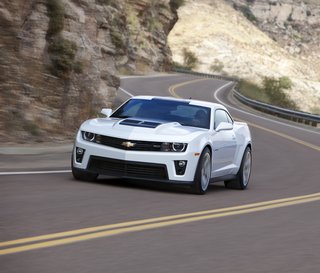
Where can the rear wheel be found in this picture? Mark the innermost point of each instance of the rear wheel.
(243, 176)
(83, 175)
(203, 173)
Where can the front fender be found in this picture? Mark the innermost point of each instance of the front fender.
(199, 143)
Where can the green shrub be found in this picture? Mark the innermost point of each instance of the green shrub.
(62, 54)
(153, 24)
(77, 67)
(285, 83)
(117, 40)
(178, 66)
(252, 91)
(217, 66)
(274, 89)
(271, 91)
(56, 15)
(103, 2)
(31, 128)
(190, 60)
(175, 4)
(246, 11)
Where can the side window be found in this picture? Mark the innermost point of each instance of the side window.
(221, 116)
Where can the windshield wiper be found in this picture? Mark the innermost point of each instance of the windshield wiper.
(121, 116)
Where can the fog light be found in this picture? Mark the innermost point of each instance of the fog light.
(79, 154)
(181, 163)
(80, 151)
(180, 166)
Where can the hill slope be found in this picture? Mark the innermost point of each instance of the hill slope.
(224, 39)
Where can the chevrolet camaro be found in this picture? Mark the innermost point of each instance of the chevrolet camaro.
(177, 141)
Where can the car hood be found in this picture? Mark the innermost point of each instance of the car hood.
(142, 129)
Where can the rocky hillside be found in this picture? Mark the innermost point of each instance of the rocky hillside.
(295, 25)
(252, 39)
(60, 59)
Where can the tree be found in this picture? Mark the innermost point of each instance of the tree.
(274, 89)
(190, 60)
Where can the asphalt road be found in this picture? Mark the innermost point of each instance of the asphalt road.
(257, 230)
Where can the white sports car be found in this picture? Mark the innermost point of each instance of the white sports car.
(168, 140)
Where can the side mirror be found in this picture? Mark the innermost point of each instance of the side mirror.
(106, 111)
(224, 126)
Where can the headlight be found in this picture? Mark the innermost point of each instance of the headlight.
(173, 147)
(179, 147)
(88, 136)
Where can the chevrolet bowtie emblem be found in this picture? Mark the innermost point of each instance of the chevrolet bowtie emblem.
(128, 144)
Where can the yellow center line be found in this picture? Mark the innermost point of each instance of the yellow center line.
(145, 221)
(156, 223)
(172, 88)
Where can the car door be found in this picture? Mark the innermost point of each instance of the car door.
(224, 144)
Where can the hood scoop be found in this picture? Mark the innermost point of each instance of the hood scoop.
(140, 123)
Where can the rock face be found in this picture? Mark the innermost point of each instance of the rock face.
(295, 25)
(247, 39)
(59, 60)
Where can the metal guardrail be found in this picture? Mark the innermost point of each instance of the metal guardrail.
(297, 116)
(219, 77)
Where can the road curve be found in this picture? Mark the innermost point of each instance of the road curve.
(271, 227)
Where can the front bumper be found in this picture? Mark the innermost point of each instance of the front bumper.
(146, 165)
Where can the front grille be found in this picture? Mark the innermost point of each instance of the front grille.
(131, 169)
(132, 145)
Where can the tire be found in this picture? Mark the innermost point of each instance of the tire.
(203, 173)
(82, 175)
(243, 176)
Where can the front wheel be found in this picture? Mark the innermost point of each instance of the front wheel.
(203, 173)
(242, 179)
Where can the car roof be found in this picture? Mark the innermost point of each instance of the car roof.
(191, 101)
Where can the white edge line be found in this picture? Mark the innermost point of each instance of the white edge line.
(35, 172)
(219, 89)
(215, 94)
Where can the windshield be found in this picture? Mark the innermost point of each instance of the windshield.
(166, 110)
